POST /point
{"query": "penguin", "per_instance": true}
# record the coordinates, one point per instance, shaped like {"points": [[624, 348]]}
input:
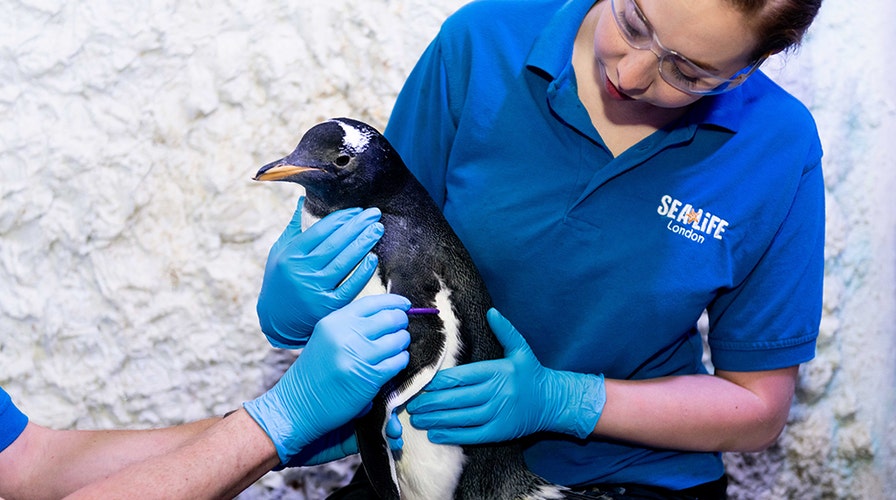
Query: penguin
{"points": [[345, 163]]}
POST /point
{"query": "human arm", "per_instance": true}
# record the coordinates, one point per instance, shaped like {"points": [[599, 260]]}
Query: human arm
{"points": [[220, 462], [352, 353], [727, 411], [498, 400], [74, 458]]}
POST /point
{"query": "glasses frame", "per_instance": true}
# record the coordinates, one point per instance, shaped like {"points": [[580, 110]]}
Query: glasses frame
{"points": [[720, 86]]}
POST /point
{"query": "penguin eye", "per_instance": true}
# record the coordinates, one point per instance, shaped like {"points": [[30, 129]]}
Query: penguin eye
{"points": [[343, 160]]}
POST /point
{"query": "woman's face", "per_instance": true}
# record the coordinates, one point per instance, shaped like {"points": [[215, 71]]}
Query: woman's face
{"points": [[710, 33]]}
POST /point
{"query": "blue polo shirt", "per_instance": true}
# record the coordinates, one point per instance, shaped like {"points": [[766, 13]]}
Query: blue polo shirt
{"points": [[606, 263], [12, 421]]}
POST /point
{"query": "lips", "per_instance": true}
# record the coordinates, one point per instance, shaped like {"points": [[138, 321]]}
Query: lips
{"points": [[614, 92]]}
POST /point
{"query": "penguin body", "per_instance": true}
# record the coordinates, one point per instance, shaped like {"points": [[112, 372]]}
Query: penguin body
{"points": [[345, 163]]}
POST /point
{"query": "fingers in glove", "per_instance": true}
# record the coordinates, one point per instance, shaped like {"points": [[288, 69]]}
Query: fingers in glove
{"points": [[393, 427], [328, 236], [461, 397], [387, 341], [380, 322], [390, 366], [469, 374], [319, 232], [338, 233], [357, 280], [393, 433], [385, 306], [348, 247], [506, 333], [462, 435]]}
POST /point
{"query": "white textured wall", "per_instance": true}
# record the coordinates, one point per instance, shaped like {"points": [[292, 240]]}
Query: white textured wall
{"points": [[132, 240]]}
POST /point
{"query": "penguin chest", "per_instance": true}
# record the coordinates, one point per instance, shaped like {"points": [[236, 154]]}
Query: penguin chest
{"points": [[426, 470]]}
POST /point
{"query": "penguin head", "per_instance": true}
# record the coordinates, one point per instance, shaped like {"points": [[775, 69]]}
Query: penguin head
{"points": [[340, 162]]}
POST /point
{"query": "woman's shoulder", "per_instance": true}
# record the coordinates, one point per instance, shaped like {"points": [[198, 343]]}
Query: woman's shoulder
{"points": [[765, 97], [769, 113], [776, 121]]}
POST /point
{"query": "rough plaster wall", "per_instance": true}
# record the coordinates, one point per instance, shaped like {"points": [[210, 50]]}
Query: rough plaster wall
{"points": [[132, 241]]}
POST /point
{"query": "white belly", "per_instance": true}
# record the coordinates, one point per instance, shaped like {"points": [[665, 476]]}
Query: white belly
{"points": [[428, 470], [425, 470]]}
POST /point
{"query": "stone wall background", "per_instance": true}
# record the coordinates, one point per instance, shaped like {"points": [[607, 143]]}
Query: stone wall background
{"points": [[132, 239]]}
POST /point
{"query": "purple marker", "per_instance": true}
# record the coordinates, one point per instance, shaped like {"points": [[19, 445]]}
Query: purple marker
{"points": [[415, 311]]}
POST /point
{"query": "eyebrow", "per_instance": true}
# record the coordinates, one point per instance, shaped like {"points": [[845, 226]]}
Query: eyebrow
{"points": [[699, 64]]}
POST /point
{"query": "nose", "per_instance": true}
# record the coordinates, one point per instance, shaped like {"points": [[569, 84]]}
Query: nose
{"points": [[637, 70]]}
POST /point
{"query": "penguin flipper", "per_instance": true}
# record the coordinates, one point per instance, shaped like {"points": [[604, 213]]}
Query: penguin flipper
{"points": [[376, 457]]}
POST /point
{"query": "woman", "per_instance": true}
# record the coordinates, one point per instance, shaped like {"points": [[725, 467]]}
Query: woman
{"points": [[615, 169]]}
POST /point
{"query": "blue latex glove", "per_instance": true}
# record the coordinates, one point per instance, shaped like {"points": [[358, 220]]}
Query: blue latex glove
{"points": [[305, 275], [503, 399], [342, 443], [351, 354]]}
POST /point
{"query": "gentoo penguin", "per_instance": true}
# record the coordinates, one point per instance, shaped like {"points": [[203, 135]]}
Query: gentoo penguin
{"points": [[345, 163]]}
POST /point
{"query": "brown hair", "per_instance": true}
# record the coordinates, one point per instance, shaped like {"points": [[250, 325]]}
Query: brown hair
{"points": [[780, 24]]}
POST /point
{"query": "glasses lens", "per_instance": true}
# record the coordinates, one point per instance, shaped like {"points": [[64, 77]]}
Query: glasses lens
{"points": [[631, 24], [690, 78], [685, 76]]}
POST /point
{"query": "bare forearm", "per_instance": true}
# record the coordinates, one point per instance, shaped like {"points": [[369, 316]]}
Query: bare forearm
{"points": [[48, 463], [220, 462], [699, 412]]}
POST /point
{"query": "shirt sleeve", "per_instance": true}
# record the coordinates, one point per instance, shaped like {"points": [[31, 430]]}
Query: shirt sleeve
{"points": [[12, 421], [422, 126], [771, 319]]}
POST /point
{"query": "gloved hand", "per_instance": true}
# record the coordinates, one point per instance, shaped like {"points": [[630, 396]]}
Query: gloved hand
{"points": [[503, 399], [351, 354], [342, 443], [304, 273]]}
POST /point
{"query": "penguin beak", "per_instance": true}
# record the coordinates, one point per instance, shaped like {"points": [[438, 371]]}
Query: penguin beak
{"points": [[277, 172]]}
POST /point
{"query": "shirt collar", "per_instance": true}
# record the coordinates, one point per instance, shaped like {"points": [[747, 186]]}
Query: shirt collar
{"points": [[721, 110], [552, 49]]}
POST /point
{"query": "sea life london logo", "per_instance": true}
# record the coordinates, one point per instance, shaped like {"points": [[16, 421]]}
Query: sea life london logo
{"points": [[688, 221]]}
